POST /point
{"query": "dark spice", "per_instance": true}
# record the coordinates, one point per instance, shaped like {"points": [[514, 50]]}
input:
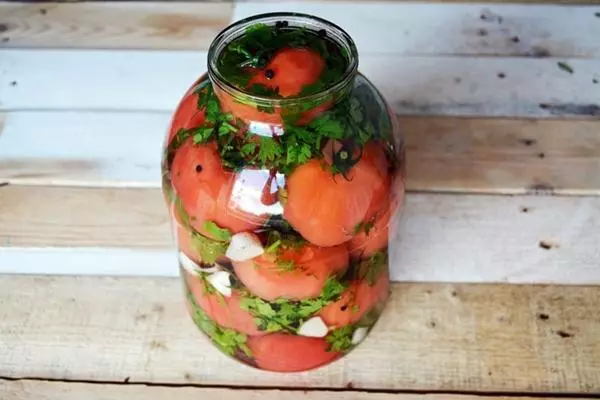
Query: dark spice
{"points": [[281, 24], [322, 33], [269, 74], [198, 168]]}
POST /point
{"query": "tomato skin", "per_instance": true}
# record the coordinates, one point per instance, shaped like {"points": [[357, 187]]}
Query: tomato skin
{"points": [[293, 69], [288, 353], [225, 311], [364, 245], [205, 189], [312, 267], [187, 115], [329, 215], [357, 300]]}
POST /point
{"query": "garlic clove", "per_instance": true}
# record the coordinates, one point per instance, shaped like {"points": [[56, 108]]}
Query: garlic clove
{"points": [[244, 246], [221, 282], [314, 327], [359, 334]]}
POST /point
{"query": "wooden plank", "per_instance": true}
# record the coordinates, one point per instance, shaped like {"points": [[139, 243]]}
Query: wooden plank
{"points": [[449, 238], [412, 29], [431, 337], [446, 154], [44, 390], [508, 86], [118, 25], [419, 29]]}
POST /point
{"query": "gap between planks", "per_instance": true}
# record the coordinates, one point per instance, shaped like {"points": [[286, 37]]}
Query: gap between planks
{"points": [[460, 337], [518, 239], [28, 389], [444, 154]]}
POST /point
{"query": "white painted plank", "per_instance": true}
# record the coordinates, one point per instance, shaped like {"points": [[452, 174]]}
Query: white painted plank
{"points": [[488, 155], [83, 148], [145, 80], [441, 238], [445, 29]]}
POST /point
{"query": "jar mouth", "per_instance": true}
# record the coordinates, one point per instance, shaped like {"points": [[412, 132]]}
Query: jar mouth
{"points": [[238, 29]]}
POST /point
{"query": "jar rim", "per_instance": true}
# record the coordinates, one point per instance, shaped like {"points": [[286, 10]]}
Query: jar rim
{"points": [[238, 28]]}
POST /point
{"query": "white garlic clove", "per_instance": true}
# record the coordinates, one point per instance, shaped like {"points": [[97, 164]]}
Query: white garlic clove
{"points": [[244, 246], [359, 335], [221, 282], [314, 327]]}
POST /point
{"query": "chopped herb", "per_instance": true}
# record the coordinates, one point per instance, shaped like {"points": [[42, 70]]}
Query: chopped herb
{"points": [[287, 315], [565, 67], [257, 46], [372, 267], [209, 250], [228, 340], [340, 339], [217, 232], [355, 308], [286, 265], [364, 226]]}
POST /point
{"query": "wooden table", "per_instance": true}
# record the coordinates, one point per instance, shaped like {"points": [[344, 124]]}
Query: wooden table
{"points": [[497, 261]]}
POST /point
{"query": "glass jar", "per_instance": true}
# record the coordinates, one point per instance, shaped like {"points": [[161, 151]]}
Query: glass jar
{"points": [[282, 170]]}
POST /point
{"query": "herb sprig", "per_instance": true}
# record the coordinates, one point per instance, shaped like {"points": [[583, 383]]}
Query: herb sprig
{"points": [[260, 42], [228, 340], [287, 315]]}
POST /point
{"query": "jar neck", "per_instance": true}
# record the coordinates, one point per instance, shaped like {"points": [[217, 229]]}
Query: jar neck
{"points": [[332, 93]]}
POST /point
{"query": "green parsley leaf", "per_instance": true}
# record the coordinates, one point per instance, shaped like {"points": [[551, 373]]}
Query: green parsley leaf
{"points": [[208, 249], [286, 265], [202, 135], [268, 150], [217, 232], [565, 67], [248, 149], [372, 267], [228, 340], [364, 226], [340, 339]]}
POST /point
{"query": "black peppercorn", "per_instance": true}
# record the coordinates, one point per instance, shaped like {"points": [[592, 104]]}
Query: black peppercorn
{"points": [[322, 33], [269, 74], [198, 168], [281, 24]]}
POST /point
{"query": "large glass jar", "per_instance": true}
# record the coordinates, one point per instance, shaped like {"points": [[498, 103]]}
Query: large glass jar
{"points": [[282, 170]]}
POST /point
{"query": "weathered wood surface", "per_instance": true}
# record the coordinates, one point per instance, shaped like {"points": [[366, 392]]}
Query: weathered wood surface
{"points": [[377, 27], [36, 390], [450, 238], [431, 337], [138, 25], [482, 155], [155, 81]]}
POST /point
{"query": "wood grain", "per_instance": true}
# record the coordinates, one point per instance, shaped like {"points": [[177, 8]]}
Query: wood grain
{"points": [[431, 337], [156, 80], [438, 29], [117, 25], [450, 238], [391, 27], [445, 154], [40, 390]]}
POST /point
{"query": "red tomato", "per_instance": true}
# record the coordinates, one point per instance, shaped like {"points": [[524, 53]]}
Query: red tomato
{"points": [[225, 311], [187, 115], [293, 69], [205, 189], [364, 245], [357, 300], [287, 353], [325, 209], [312, 265]]}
